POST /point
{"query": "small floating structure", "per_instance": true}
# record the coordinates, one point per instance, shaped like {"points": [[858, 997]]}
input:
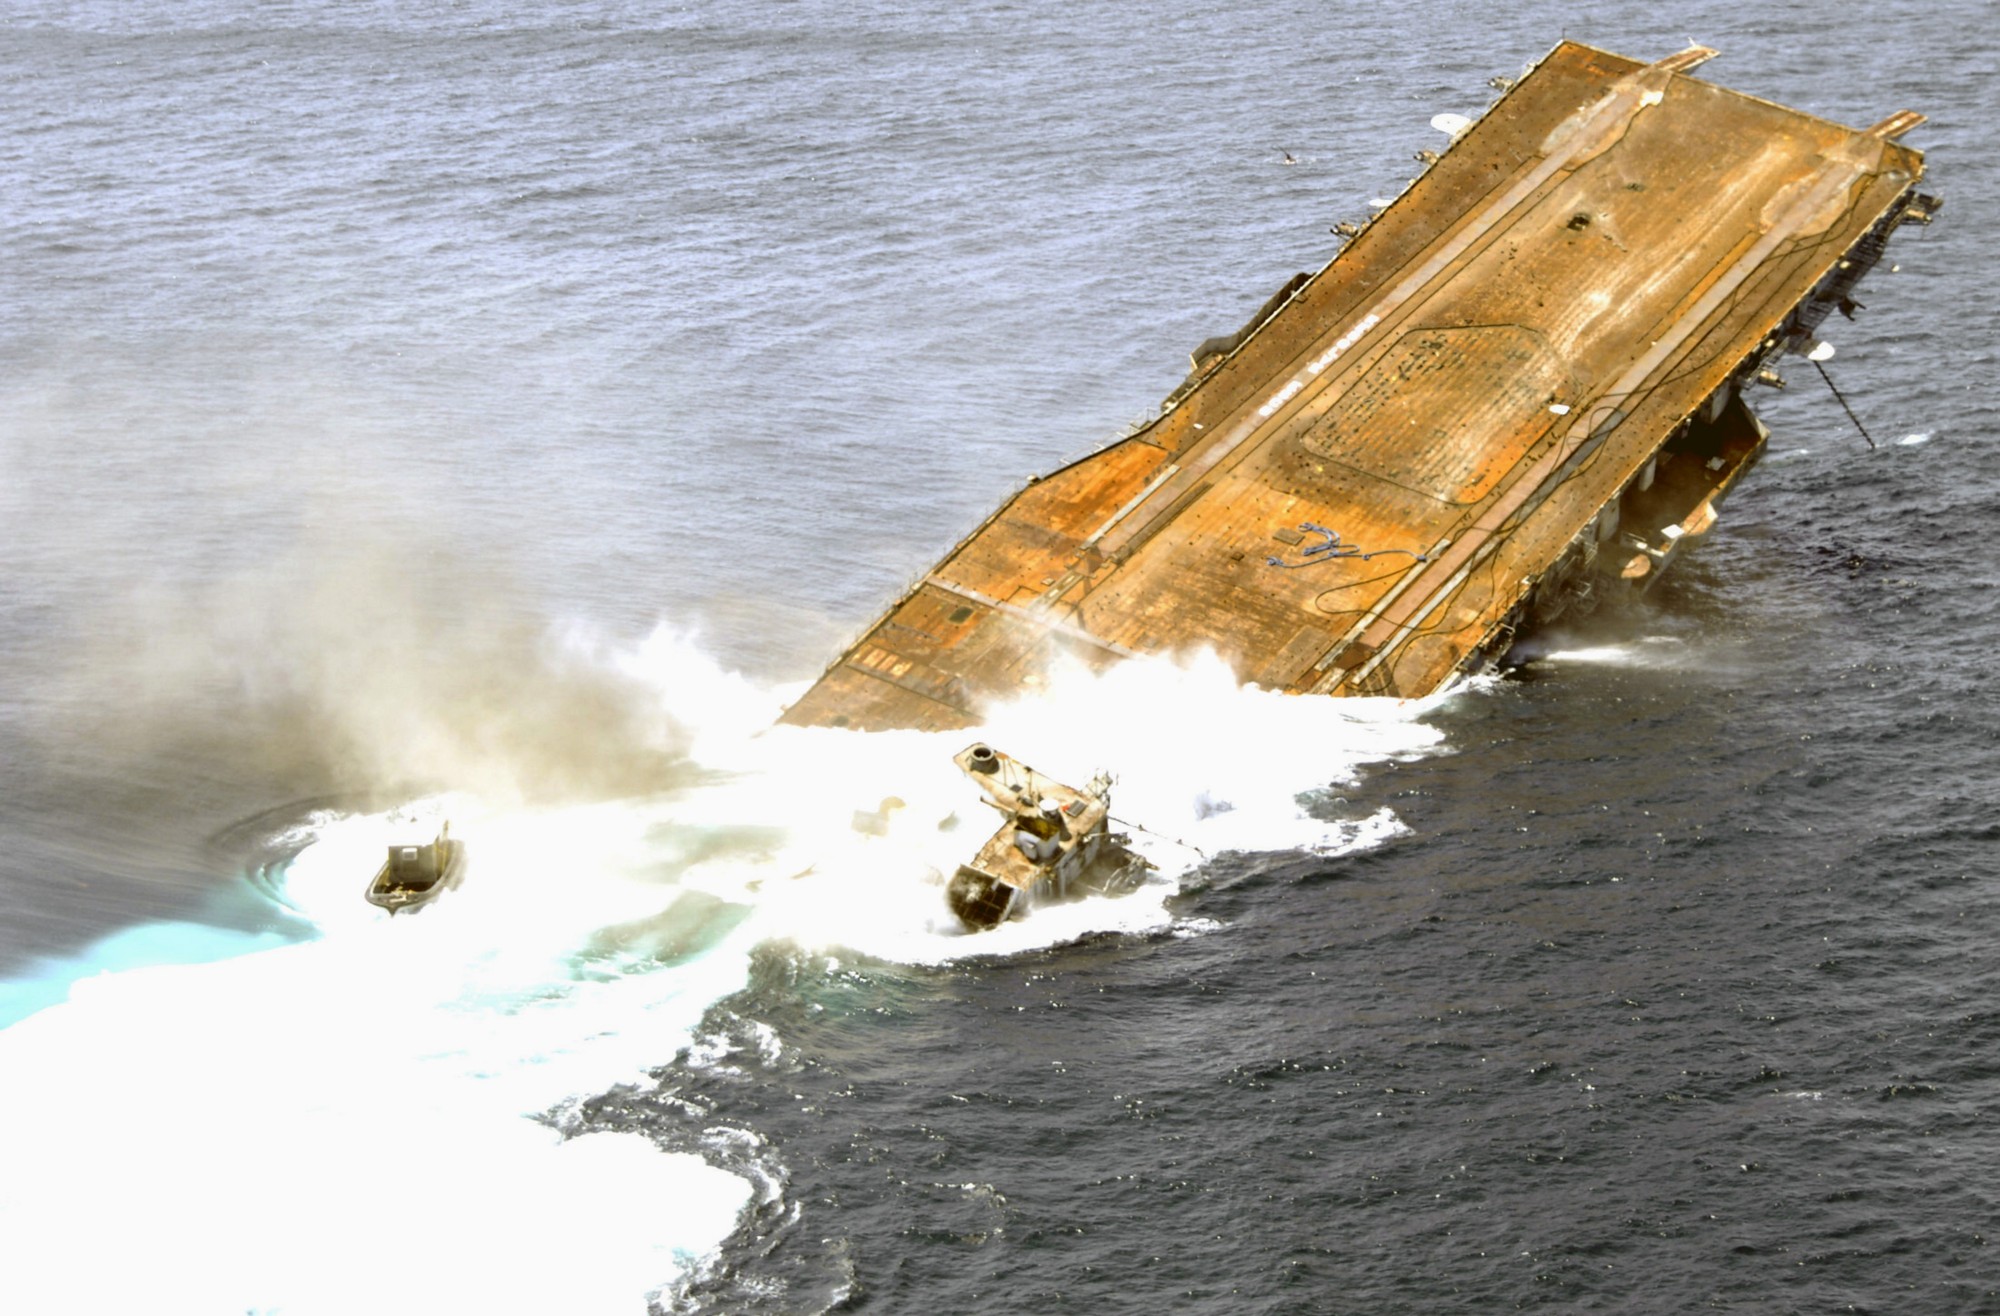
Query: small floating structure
{"points": [[1516, 391], [414, 875], [1055, 843]]}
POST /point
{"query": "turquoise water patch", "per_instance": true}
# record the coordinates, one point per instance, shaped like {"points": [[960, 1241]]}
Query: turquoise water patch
{"points": [[148, 945]]}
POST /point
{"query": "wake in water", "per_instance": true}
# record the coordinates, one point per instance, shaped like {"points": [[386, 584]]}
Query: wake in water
{"points": [[369, 1120], [1646, 651]]}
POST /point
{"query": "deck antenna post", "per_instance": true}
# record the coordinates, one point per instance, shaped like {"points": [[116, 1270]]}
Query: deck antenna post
{"points": [[1843, 404]]}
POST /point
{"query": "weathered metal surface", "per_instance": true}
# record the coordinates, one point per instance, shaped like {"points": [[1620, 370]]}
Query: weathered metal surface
{"points": [[1054, 842], [1559, 309], [414, 875]]}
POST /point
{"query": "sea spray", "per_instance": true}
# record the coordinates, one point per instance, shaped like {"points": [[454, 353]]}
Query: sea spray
{"points": [[1201, 765], [352, 1124], [346, 1126], [363, 1122]]}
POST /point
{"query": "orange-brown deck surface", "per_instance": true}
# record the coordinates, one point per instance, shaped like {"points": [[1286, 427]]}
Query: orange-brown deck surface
{"points": [[1484, 368]]}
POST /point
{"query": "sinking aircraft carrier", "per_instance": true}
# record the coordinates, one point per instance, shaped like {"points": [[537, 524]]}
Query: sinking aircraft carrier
{"points": [[1517, 389]]}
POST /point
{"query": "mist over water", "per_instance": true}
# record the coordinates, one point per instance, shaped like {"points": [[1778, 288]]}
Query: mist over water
{"points": [[287, 1090], [453, 413]]}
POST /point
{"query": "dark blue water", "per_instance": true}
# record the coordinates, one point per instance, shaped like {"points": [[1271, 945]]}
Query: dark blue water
{"points": [[355, 362]]}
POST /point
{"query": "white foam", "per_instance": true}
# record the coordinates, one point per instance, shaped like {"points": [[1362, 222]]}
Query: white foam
{"points": [[1204, 765], [1912, 440], [342, 1126], [347, 1125], [1650, 651]]}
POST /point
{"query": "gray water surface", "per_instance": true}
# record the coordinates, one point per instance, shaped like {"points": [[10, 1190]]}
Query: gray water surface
{"points": [[348, 351]]}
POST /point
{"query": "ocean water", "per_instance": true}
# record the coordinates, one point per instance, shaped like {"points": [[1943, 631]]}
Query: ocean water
{"points": [[453, 411]]}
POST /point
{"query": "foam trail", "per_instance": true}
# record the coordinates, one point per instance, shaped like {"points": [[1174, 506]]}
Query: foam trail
{"points": [[1650, 651], [348, 1124], [344, 1125]]}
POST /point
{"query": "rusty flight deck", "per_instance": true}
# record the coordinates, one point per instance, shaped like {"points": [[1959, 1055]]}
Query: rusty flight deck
{"points": [[1515, 389]]}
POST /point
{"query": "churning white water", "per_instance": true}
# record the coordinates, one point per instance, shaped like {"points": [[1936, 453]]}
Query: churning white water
{"points": [[362, 1121]]}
